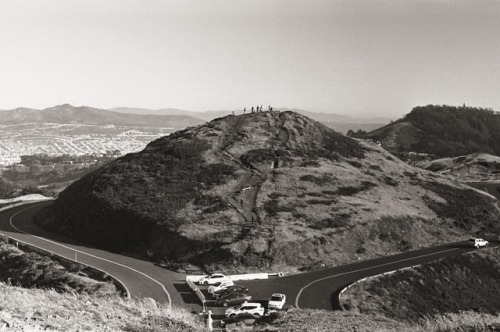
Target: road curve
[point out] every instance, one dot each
(318, 289)
(141, 278)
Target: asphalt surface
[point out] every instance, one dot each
(318, 289)
(141, 278)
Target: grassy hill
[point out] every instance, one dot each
(47, 310)
(266, 190)
(27, 268)
(442, 131)
(446, 288)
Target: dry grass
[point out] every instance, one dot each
(320, 320)
(33, 269)
(443, 289)
(38, 310)
(467, 321)
(34, 310)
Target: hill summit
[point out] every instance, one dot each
(265, 189)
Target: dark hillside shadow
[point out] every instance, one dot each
(187, 295)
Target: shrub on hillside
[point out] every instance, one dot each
(341, 220)
(258, 156)
(272, 208)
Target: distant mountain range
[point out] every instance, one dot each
(440, 131)
(166, 117)
(93, 116)
(338, 122)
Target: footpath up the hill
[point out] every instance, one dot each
(266, 190)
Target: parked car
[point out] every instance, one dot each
(243, 317)
(233, 298)
(230, 289)
(221, 286)
(277, 301)
(213, 279)
(477, 242)
(253, 308)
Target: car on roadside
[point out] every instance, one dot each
(253, 308)
(213, 279)
(232, 299)
(230, 289)
(277, 301)
(478, 242)
(223, 285)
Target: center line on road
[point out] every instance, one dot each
(90, 255)
(364, 269)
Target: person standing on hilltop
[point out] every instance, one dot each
(252, 109)
(244, 110)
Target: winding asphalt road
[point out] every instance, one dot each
(318, 289)
(141, 278)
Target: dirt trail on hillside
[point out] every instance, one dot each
(243, 195)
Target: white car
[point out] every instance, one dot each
(255, 309)
(212, 289)
(213, 279)
(277, 301)
(476, 242)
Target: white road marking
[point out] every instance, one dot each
(366, 268)
(94, 256)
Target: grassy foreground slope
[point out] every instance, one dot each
(46, 310)
(31, 269)
(445, 288)
(266, 190)
(37, 293)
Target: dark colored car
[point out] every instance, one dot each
(243, 317)
(233, 298)
(231, 289)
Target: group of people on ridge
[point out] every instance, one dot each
(257, 109)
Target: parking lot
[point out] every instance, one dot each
(217, 310)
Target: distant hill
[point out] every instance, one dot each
(441, 131)
(340, 123)
(92, 116)
(162, 111)
(266, 190)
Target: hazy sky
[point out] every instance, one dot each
(360, 58)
